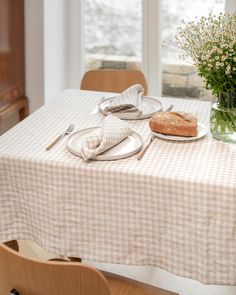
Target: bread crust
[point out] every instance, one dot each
(174, 123)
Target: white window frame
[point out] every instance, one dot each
(230, 6)
(151, 42)
(151, 45)
(72, 47)
(75, 42)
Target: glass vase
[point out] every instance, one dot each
(223, 117)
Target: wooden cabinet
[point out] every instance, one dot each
(12, 59)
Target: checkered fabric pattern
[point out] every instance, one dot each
(176, 208)
(128, 101)
(113, 131)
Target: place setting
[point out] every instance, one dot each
(131, 104)
(115, 140)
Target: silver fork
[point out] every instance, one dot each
(151, 138)
(68, 131)
(169, 108)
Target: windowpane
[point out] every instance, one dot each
(180, 78)
(175, 11)
(113, 27)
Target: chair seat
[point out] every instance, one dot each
(120, 285)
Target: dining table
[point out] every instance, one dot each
(175, 208)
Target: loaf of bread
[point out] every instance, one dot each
(174, 123)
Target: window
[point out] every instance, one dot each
(142, 24)
(175, 11)
(112, 33)
(129, 34)
(179, 76)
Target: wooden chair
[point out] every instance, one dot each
(112, 80)
(32, 277)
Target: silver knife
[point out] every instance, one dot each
(68, 131)
(151, 138)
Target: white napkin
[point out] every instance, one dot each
(128, 101)
(111, 133)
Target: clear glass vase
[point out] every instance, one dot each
(223, 117)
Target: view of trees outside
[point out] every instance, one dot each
(188, 10)
(113, 27)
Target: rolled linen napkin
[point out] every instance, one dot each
(111, 133)
(128, 101)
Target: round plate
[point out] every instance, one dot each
(126, 148)
(202, 131)
(150, 106)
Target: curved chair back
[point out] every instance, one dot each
(32, 277)
(112, 80)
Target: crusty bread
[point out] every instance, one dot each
(174, 123)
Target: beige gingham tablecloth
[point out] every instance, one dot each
(176, 208)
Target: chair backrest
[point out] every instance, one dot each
(32, 277)
(112, 80)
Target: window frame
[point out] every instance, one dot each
(74, 43)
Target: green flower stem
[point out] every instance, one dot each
(223, 120)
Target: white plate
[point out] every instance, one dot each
(126, 148)
(150, 106)
(202, 131)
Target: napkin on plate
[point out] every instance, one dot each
(113, 131)
(128, 101)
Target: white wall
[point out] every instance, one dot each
(75, 42)
(34, 53)
(54, 47)
(151, 45)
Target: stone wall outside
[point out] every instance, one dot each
(177, 80)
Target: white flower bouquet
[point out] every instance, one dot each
(211, 44)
